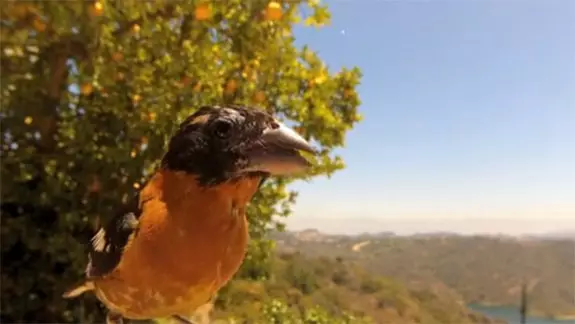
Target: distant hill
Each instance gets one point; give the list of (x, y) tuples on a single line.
[(482, 269), (340, 286), (558, 235), (409, 226)]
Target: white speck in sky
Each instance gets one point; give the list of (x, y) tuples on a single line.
[(343, 32)]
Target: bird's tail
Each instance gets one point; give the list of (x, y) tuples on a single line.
[(79, 289)]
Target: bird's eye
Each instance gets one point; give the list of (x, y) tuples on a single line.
[(222, 129)]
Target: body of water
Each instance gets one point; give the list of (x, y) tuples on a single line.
[(511, 315)]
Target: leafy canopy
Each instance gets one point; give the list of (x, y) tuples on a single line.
[(90, 92)]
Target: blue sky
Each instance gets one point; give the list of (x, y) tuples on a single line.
[(469, 110)]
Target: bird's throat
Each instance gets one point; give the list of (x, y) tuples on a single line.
[(190, 202)]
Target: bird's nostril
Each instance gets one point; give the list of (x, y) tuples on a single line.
[(275, 125)]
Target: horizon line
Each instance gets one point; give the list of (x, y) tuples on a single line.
[(409, 226)]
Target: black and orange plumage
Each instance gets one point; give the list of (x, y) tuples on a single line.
[(185, 234)]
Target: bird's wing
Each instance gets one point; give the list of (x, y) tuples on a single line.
[(106, 246)]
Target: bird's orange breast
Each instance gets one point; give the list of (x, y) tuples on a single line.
[(190, 241)]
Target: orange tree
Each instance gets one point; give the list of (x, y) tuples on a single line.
[(91, 90)]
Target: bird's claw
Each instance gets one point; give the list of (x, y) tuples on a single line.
[(114, 318)]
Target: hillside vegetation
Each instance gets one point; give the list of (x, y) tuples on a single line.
[(487, 270), (304, 286)]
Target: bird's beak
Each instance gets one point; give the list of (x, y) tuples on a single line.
[(277, 152)]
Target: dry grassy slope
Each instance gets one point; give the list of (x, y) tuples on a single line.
[(339, 285), (481, 269)]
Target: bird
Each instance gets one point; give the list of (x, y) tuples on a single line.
[(184, 234)]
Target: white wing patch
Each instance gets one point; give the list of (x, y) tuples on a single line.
[(99, 240)]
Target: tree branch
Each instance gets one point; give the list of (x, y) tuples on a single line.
[(56, 55)]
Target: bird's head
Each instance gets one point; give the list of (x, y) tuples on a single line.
[(221, 143)]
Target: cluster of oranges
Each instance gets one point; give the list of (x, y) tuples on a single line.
[(272, 12), (203, 11)]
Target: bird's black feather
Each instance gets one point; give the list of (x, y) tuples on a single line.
[(196, 147), (106, 247)]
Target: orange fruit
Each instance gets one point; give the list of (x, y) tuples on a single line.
[(136, 28), (203, 11), (96, 185), (273, 11), (259, 97), (86, 89), (97, 9), (185, 80), (231, 86), (39, 25), (117, 56)]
